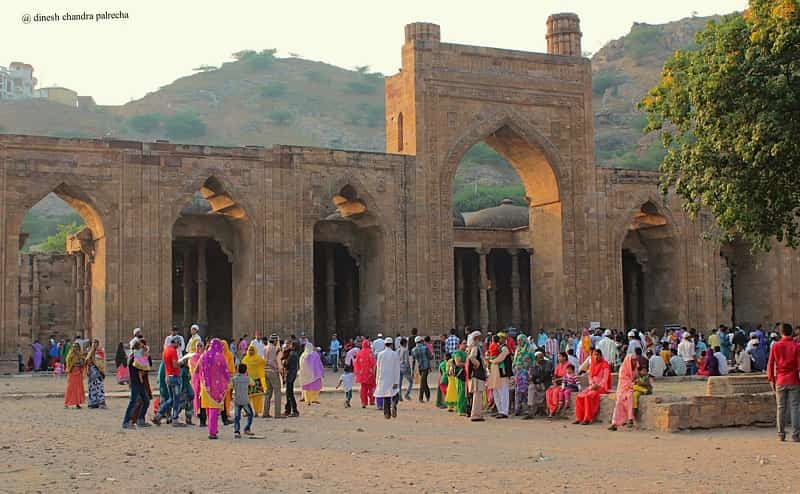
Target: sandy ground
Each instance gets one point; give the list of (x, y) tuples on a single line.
[(45, 448)]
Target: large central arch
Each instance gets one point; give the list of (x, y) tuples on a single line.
[(536, 162)]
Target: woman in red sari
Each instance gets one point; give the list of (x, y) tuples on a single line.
[(553, 393), (587, 402), (75, 394), (364, 367)]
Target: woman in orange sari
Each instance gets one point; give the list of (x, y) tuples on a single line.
[(75, 394), (623, 407), (226, 410), (587, 402)]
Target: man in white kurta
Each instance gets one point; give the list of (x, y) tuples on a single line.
[(388, 378)]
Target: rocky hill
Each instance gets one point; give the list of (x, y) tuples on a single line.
[(260, 99)]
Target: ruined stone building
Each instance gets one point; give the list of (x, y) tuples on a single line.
[(320, 240)]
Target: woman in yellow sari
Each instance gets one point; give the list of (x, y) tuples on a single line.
[(226, 348), (256, 370)]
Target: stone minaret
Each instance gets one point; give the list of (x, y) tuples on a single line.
[(564, 35)]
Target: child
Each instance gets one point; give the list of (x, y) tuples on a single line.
[(346, 380), (569, 384), (642, 385), (187, 393), (241, 401)]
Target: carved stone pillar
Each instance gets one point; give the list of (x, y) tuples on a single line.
[(515, 317), (187, 288), (330, 288), (87, 298), (35, 298), (459, 263), (494, 324), (483, 285), (79, 275), (202, 283)]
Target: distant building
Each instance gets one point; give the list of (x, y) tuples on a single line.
[(58, 94), (17, 81)]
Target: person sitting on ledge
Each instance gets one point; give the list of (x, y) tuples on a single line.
[(587, 402)]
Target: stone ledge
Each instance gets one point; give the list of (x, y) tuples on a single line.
[(736, 384)]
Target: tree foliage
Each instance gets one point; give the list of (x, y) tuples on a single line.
[(274, 90), (487, 196), (184, 126), (280, 117), (58, 242), (145, 123), (729, 116)]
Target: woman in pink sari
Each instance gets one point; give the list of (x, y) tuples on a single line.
[(214, 380), (311, 373), (623, 408), (196, 348), (364, 367)]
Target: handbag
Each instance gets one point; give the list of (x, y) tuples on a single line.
[(255, 387)]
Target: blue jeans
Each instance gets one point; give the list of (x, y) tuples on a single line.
[(408, 376), (237, 417), (691, 369), (174, 398), (137, 393)]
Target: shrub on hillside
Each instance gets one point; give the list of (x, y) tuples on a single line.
[(642, 41), (145, 123), (184, 126), (280, 117), (314, 75), (360, 87), (486, 196), (604, 79), (256, 60), (274, 90), (58, 242)]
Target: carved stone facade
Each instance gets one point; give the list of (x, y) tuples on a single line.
[(275, 212)]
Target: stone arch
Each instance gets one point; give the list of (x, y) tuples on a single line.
[(362, 192), (537, 163), (179, 201), (545, 179), (620, 226), (90, 256)]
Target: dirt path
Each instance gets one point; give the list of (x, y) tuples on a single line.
[(45, 448)]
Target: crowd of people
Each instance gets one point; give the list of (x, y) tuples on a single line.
[(500, 375)]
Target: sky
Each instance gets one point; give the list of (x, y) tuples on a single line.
[(117, 60)]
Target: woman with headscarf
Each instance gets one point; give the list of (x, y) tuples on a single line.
[(553, 393), (214, 379), (623, 405), (311, 373), (96, 369), (456, 396), (587, 402), (196, 348), (523, 360), (74, 369), (256, 370), (476, 375), (64, 351), (231, 361), (364, 367), (121, 361), (584, 346), (38, 355)]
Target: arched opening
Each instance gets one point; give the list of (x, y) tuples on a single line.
[(490, 222), (211, 239), (649, 274), (744, 285), (348, 270), (512, 270), (62, 269)]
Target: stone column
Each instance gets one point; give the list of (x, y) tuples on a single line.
[(330, 288), (349, 299), (515, 317), (187, 288), (202, 282), (459, 262), (483, 285), (494, 324), (79, 274), (87, 299), (34, 298)]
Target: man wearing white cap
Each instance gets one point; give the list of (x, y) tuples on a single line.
[(609, 348), (388, 378), (633, 343), (378, 344), (194, 331), (686, 352), (137, 335)]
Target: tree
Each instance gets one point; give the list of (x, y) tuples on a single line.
[(274, 90), (729, 116), (58, 242), (145, 123), (280, 117), (184, 126)]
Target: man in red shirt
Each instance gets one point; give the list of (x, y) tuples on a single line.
[(783, 372), (172, 374)]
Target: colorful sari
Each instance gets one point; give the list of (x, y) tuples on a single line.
[(444, 383), (587, 402), (256, 370), (553, 393), (96, 362), (75, 394), (196, 348), (523, 360), (311, 373), (456, 397), (231, 361), (214, 382), (364, 368), (623, 406), (121, 361)]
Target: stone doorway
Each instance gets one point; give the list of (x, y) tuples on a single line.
[(202, 286)]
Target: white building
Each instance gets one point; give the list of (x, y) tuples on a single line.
[(17, 81)]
